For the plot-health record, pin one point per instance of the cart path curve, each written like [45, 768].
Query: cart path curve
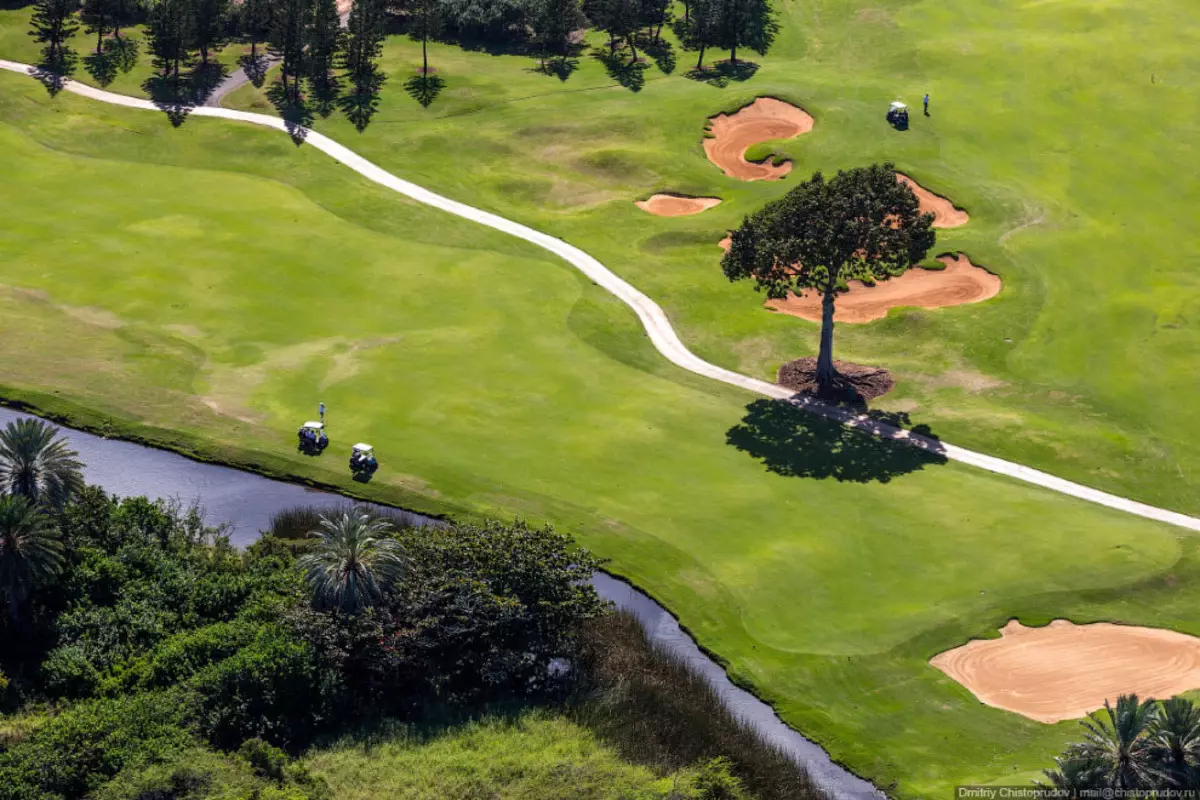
[653, 318]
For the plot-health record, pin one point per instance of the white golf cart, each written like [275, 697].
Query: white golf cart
[898, 115]
[312, 437]
[362, 459]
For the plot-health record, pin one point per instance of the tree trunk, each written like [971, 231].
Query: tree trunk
[825, 371]
[700, 60]
[253, 50]
[632, 49]
[424, 54]
[204, 54]
[658, 32]
[99, 40]
[612, 44]
[687, 11]
[733, 56]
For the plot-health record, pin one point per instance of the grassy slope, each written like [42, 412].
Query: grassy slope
[1046, 127]
[533, 755]
[158, 273]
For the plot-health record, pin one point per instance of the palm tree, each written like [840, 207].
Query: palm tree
[36, 462]
[1175, 741]
[354, 561]
[1119, 744]
[30, 551]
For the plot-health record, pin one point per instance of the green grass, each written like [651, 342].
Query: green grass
[203, 287]
[535, 754]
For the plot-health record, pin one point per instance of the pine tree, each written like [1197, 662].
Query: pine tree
[210, 20]
[170, 29]
[287, 37]
[254, 23]
[99, 16]
[324, 40]
[746, 23]
[553, 22]
[52, 25]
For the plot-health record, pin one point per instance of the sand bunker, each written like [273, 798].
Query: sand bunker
[676, 205]
[1065, 671]
[762, 121]
[960, 282]
[945, 215]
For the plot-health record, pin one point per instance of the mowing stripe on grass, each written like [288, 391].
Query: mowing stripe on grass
[653, 318]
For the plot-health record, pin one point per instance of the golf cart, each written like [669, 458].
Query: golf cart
[897, 115]
[362, 459]
[312, 437]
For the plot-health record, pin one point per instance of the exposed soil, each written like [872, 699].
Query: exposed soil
[676, 205]
[959, 283]
[762, 121]
[343, 7]
[1064, 671]
[856, 382]
[945, 215]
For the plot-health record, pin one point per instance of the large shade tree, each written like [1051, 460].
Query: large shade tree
[354, 562]
[37, 463]
[862, 224]
[30, 551]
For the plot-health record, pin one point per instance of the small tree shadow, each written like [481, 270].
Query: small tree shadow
[723, 73]
[797, 443]
[293, 109]
[101, 66]
[560, 67]
[663, 54]
[171, 95]
[256, 67]
[325, 93]
[54, 72]
[630, 74]
[424, 88]
[203, 79]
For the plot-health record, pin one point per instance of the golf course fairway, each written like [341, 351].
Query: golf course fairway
[203, 287]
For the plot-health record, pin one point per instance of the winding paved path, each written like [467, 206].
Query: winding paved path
[653, 318]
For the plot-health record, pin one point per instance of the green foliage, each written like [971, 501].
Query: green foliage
[30, 551]
[266, 761]
[1134, 745]
[36, 462]
[76, 751]
[353, 563]
[52, 25]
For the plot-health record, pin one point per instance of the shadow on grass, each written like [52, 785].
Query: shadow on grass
[424, 88]
[293, 109]
[723, 73]
[560, 67]
[116, 55]
[176, 97]
[630, 74]
[663, 54]
[799, 444]
[325, 94]
[54, 72]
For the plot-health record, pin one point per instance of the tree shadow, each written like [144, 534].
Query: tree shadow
[293, 109]
[797, 443]
[723, 73]
[325, 93]
[171, 95]
[663, 54]
[630, 74]
[203, 79]
[560, 67]
[424, 88]
[54, 72]
[256, 67]
[102, 66]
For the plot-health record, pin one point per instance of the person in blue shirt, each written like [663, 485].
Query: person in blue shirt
[927, 104]
[321, 408]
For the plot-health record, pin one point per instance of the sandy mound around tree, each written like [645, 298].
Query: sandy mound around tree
[761, 121]
[960, 282]
[1065, 671]
[945, 215]
[676, 205]
[856, 382]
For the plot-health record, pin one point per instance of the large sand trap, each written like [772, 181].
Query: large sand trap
[676, 205]
[761, 121]
[945, 215]
[1065, 671]
[959, 283]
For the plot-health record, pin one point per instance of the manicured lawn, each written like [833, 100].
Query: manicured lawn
[203, 287]
[1068, 130]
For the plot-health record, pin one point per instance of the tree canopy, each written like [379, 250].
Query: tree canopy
[861, 224]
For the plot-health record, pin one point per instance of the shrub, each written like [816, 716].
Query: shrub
[266, 761]
[86, 745]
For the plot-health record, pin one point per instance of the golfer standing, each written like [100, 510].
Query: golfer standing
[927, 104]
[321, 409]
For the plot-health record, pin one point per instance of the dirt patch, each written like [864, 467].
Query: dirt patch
[344, 6]
[857, 382]
[762, 121]
[959, 283]
[945, 215]
[89, 315]
[676, 205]
[1064, 671]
